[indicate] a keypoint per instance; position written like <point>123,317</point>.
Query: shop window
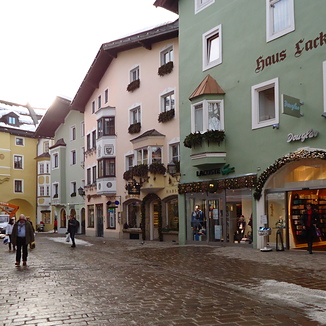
<point>90,216</point>
<point>133,216</point>
<point>207,115</point>
<point>202,4</point>
<point>111,218</point>
<point>172,215</point>
<point>265,104</point>
<point>212,48</point>
<point>63,219</point>
<point>279,18</point>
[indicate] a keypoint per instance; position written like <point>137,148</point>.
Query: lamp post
<point>81,192</point>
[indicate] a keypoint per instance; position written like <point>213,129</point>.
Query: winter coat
<point>9,228</point>
<point>29,233</point>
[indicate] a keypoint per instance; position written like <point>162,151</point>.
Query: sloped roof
<point>53,118</point>
<point>109,51</point>
<point>28,117</point>
<point>149,133</point>
<point>171,5</point>
<point>59,142</point>
<point>208,86</point>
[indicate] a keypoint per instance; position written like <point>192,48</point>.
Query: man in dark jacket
<point>22,235</point>
<point>309,222</point>
<point>73,226</point>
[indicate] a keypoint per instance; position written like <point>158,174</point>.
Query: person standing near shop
<point>22,235</point>
<point>309,222</point>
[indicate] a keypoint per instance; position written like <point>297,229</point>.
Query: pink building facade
<point>130,102</point>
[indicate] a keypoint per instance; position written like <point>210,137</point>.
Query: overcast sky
<point>47,46</point>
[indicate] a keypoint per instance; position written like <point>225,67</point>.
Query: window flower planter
<point>133,85</point>
<point>166,116</point>
<point>157,168</point>
<point>210,137</point>
<point>134,128</point>
<point>165,69</point>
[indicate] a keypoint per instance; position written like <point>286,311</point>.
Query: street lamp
<point>172,170</point>
<point>81,192</point>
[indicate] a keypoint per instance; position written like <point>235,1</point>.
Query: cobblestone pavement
<point>124,282</point>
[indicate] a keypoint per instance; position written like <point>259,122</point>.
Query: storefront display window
<point>133,216</point>
<point>172,215</point>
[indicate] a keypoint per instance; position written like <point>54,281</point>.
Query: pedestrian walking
<point>309,222</point>
<point>22,235</point>
<point>73,226</point>
<point>9,228</point>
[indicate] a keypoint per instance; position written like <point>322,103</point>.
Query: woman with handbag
<point>309,222</point>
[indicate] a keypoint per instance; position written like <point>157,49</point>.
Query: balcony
<point>206,149</point>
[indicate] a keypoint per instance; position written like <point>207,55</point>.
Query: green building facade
<point>255,70</point>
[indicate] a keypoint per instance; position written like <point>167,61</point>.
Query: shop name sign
<point>291,106</point>
<point>306,135</point>
<point>225,170</point>
<point>300,47</point>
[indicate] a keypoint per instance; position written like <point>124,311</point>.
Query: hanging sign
<point>291,106</point>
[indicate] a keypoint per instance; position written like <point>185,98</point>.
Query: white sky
<point>47,46</point>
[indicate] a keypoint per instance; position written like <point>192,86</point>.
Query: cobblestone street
<point>115,282</point>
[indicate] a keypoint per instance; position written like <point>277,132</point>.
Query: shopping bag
<point>318,233</point>
<point>6,240</point>
<point>67,237</point>
<point>32,245</point>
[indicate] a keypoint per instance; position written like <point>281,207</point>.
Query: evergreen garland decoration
<point>291,157</point>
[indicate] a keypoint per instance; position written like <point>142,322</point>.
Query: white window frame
<point>129,156</point>
<point>99,101</point>
<point>202,4</point>
<point>165,95</point>
<point>171,145</point>
<point>168,50</point>
<point>204,104</point>
<point>54,155</point>
<point>217,30</point>
<point>73,133</point>
<point>82,129</point>
<point>106,96</point>
<point>324,84</point>
<point>131,111</point>
<point>93,106</point>
<point>73,157</point>
<point>73,187</point>
<point>270,35</point>
<point>41,168</point>
<point>42,191</point>
<point>18,139</point>
<point>22,186</point>
<point>21,160</point>
<point>136,69</point>
<point>255,90</point>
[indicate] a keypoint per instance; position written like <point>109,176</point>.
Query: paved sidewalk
<point>127,282</point>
